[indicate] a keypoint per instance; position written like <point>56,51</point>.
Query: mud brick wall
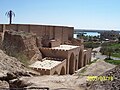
<point>47,52</point>
<point>45,32</point>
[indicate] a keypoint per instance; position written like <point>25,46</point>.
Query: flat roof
<point>45,64</point>
<point>65,47</point>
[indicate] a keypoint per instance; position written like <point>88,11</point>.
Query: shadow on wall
<point>62,72</point>
<point>55,73</point>
<point>84,63</point>
<point>80,60</point>
<point>71,64</point>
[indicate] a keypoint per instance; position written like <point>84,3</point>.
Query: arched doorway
<point>62,72</point>
<point>55,73</point>
<point>71,64</point>
<point>76,66</point>
<point>49,45</point>
<point>84,60</point>
<point>80,59</point>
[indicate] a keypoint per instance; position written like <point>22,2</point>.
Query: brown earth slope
<point>11,68</point>
<point>108,85</point>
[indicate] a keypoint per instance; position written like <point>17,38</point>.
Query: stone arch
<point>55,73</point>
<point>84,62</point>
<point>80,59</point>
<point>62,72</point>
<point>71,64</point>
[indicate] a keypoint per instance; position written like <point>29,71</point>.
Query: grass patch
<point>113,48</point>
<point>116,55</point>
<point>115,62</point>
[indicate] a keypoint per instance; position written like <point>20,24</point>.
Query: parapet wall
<point>58,68</point>
<point>55,53</point>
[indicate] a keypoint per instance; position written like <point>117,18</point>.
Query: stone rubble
<point>108,85</point>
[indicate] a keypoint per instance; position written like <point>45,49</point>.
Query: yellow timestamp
<point>99,78</point>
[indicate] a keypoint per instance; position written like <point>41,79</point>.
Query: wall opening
<point>71,64</point>
<point>76,66</point>
<point>49,45</point>
<point>55,73</point>
<point>62,72</point>
<point>84,60</point>
<point>80,59</point>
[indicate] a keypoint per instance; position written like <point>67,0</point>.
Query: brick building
<point>61,53</point>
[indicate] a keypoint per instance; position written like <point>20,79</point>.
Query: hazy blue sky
<point>87,14</point>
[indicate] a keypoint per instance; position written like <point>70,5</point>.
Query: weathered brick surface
<point>21,42</point>
<point>45,32</point>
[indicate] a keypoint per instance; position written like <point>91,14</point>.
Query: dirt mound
<point>97,68</point>
<point>10,64</point>
<point>65,82</point>
<point>108,85</point>
<point>11,68</point>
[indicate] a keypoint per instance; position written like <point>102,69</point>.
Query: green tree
<point>107,51</point>
<point>10,14</point>
<point>119,39</point>
<point>91,44</point>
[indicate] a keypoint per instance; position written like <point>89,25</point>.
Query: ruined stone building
<point>59,52</point>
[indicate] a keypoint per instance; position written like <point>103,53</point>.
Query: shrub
<point>91,44</point>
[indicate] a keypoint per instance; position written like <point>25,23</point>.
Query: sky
<point>80,14</point>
